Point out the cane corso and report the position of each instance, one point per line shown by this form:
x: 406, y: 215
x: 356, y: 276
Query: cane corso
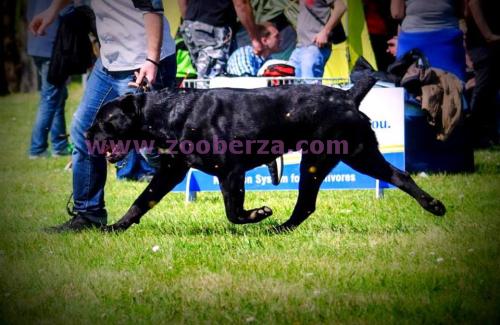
x: 287, y: 114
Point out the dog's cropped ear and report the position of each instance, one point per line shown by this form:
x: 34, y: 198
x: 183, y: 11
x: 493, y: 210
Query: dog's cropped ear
x: 361, y: 88
x: 131, y: 104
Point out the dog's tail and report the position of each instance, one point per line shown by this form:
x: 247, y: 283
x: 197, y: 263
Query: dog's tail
x: 361, y: 88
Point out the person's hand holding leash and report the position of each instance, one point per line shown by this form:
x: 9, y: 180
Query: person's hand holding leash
x: 153, y: 23
x: 146, y: 75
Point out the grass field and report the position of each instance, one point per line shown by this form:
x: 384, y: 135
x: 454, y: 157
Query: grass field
x: 356, y: 260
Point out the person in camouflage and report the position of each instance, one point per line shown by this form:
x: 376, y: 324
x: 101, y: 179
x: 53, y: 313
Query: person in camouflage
x: 209, y: 55
x: 208, y: 29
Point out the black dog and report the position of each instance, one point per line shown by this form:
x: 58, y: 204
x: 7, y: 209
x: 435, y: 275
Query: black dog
x: 287, y: 113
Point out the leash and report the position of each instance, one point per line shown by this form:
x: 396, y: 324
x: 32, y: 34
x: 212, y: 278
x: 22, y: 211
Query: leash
x: 144, y: 87
x: 70, y: 206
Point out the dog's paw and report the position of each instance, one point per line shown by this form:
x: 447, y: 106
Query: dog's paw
x: 260, y: 214
x: 114, y: 228
x: 436, y: 207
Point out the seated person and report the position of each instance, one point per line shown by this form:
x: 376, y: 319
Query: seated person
x: 244, y: 62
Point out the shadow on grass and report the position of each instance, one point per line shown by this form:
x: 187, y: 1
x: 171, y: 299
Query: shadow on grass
x: 208, y: 229
x: 265, y: 228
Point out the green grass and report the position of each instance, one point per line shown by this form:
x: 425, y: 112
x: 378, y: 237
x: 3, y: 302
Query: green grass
x: 356, y: 260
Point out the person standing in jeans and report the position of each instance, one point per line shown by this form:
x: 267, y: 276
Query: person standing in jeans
x: 50, y: 116
x: 136, y: 45
x: 316, y: 20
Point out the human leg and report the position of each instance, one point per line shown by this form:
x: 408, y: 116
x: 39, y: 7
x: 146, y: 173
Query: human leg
x: 193, y: 49
x: 484, y: 97
x: 58, y: 136
x: 50, y: 116
x: 295, y: 59
x: 209, y: 47
x: 311, y: 61
x: 89, y: 170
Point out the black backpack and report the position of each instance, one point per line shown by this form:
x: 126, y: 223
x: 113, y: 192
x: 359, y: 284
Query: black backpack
x: 72, y: 52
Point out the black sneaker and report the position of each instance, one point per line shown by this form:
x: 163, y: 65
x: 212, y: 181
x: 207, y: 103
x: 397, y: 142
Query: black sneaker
x: 276, y: 170
x: 78, y: 223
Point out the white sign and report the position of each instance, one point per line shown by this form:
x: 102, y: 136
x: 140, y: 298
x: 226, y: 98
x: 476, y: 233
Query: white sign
x: 385, y: 108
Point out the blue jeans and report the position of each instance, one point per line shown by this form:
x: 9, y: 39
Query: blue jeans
x: 89, y: 172
x: 309, y: 61
x: 50, y: 116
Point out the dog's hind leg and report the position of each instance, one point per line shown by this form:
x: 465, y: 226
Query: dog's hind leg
x: 232, y: 187
x: 368, y: 160
x: 313, y: 170
x: 169, y: 174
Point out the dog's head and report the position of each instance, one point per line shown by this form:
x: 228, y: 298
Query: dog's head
x: 116, y: 122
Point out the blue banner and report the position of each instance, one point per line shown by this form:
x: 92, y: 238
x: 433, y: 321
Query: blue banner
x: 258, y: 179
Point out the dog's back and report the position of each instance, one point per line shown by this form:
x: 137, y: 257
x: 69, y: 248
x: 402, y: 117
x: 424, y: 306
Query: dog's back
x: 288, y: 113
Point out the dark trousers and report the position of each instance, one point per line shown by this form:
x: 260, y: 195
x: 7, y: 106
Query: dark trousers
x: 484, y: 102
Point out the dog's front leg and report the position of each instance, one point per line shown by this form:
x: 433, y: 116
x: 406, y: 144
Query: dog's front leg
x: 233, y: 190
x: 169, y: 174
x: 313, y: 170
